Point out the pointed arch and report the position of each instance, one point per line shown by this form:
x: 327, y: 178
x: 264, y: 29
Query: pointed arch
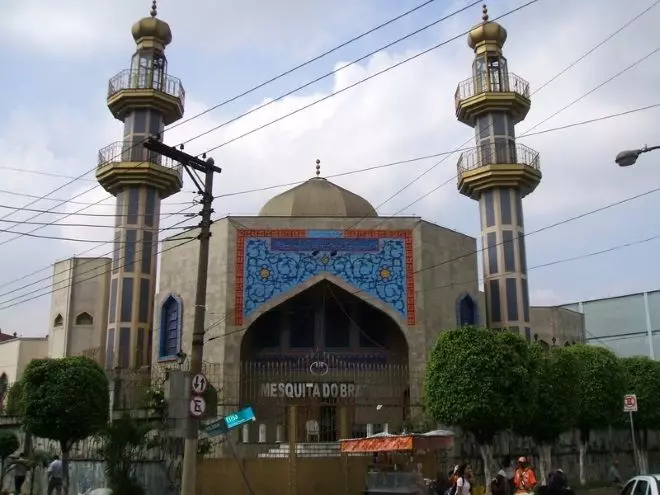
x: 171, y: 317
x: 58, y: 321
x: 467, y: 313
x: 84, y: 318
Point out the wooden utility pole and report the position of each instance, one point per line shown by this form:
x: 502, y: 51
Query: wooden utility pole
x: 207, y: 167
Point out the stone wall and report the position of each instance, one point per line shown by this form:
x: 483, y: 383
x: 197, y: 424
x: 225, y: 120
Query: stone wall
x: 86, y: 476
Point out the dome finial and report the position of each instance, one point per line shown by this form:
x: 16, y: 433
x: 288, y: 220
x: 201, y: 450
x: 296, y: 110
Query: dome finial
x: 484, y: 11
x: 154, y: 9
x: 318, y: 168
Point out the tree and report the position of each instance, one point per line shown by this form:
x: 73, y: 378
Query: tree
x: 124, y: 443
x: 598, y: 392
x: 66, y: 400
x: 474, y: 379
x: 15, y: 403
x: 554, y: 409
x: 9, y: 444
x: 643, y: 379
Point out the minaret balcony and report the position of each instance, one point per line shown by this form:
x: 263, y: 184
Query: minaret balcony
x: 477, y: 96
x: 139, y: 88
x: 498, y: 165
x: 129, y: 163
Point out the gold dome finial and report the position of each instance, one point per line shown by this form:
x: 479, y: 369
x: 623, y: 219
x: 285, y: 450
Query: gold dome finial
x: 152, y: 28
x: 318, y: 168
x: 488, y: 35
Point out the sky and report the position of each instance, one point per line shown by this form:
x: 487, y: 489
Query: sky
x: 57, y: 62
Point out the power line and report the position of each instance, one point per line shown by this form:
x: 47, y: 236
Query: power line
x: 67, y: 214
x: 217, y: 106
x: 472, y: 281
x: 374, y: 167
x: 48, y: 267
x: 523, y: 135
x: 357, y: 83
x: 19, y: 299
x: 26, y: 195
x: 84, y: 225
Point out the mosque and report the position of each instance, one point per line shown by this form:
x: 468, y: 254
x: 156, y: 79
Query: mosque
x: 317, y: 301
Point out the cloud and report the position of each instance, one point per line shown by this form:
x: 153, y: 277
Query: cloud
x: 75, y: 28
x: 410, y: 112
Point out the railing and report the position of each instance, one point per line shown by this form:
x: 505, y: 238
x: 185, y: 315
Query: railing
x: 146, y: 79
x: 498, y: 153
x: 483, y: 84
x: 134, y: 151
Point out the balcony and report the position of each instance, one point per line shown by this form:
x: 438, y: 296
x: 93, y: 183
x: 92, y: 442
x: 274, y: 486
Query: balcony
x: 478, y: 95
x: 133, y: 88
x: 129, y: 163
x: 146, y: 79
x: 498, y: 165
x: 134, y: 152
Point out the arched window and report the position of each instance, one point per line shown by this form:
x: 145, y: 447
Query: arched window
x: 466, y: 311
x: 84, y: 318
x: 59, y: 321
x: 170, y: 327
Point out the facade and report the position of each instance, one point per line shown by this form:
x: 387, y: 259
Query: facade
x: 319, y: 313
x: 629, y: 325
x: 498, y: 173
x: 16, y: 354
x: 79, y: 306
x: 146, y: 99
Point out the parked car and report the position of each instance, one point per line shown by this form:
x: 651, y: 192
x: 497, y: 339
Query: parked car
x: 642, y: 485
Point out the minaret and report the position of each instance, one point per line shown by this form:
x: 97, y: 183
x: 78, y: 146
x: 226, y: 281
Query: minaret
x: 498, y: 173
x: 146, y: 99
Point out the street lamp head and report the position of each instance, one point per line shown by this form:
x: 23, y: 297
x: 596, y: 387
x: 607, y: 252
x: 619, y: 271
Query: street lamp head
x: 627, y: 158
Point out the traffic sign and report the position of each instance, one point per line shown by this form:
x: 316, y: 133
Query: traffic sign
x: 240, y: 417
x: 215, y: 428
x: 197, y: 406
x: 199, y: 384
x: 630, y: 403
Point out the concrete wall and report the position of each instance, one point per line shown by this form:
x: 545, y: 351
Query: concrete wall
x: 86, y: 476
x: 80, y: 285
x: 17, y: 353
x: 561, y: 324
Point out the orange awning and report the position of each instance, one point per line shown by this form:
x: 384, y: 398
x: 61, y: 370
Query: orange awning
x: 398, y: 443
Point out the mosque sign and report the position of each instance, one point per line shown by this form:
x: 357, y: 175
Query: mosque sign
x: 314, y: 390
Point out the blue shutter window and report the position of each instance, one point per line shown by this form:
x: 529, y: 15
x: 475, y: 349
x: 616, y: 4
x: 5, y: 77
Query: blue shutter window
x: 170, y: 327
x: 466, y: 311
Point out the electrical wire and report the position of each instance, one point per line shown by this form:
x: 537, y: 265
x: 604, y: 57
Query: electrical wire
x: 565, y: 70
x: 20, y: 234
x: 374, y: 167
x: 544, y: 85
x: 26, y: 195
x: 49, y: 224
x: 20, y: 299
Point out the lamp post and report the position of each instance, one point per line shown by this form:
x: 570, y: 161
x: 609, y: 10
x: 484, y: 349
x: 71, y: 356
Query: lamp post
x: 629, y: 157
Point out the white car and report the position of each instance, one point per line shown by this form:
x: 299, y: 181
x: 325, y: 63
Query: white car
x: 642, y: 485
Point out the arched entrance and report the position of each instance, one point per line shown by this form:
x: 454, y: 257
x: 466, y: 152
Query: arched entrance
x: 342, y: 362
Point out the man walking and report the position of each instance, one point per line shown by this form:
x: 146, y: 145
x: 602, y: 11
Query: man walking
x: 54, y: 473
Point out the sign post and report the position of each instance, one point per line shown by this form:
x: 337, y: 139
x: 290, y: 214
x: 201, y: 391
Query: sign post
x: 630, y: 406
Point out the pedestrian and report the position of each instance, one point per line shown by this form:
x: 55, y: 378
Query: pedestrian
x: 557, y: 485
x: 20, y: 472
x: 524, y: 479
x: 463, y: 479
x: 54, y: 473
x: 614, y: 475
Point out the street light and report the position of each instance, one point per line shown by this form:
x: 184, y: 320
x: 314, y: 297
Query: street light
x: 629, y: 157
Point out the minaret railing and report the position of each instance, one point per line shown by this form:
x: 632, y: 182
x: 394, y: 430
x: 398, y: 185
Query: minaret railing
x: 498, y: 154
x: 132, y: 151
x: 140, y: 79
x: 483, y: 84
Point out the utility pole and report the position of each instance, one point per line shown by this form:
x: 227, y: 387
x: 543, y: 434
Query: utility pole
x: 190, y: 163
